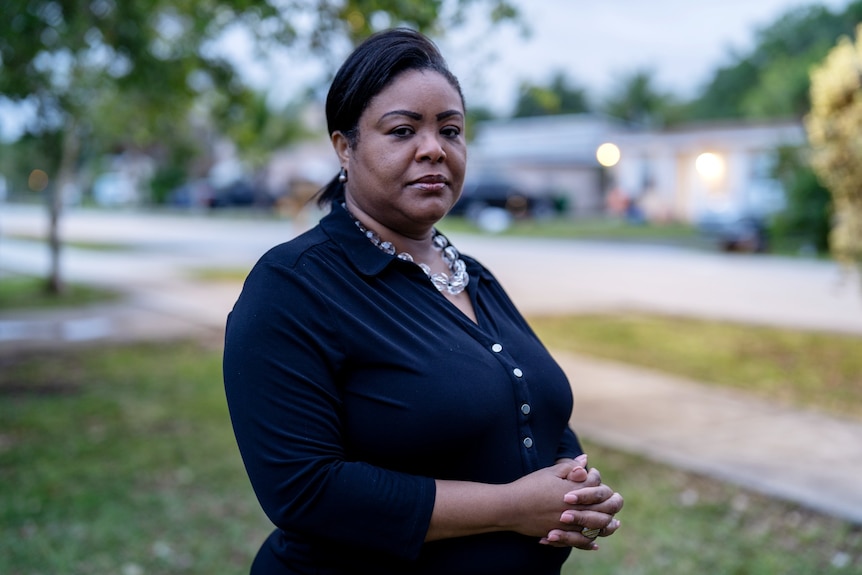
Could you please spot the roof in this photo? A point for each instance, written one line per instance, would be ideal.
(546, 139)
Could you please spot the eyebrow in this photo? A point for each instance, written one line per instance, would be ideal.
(417, 116)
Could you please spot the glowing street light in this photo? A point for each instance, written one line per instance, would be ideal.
(608, 155)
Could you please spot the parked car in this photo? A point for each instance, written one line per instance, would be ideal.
(240, 193)
(201, 193)
(734, 231)
(480, 195)
(192, 194)
(115, 189)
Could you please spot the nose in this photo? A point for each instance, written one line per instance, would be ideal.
(429, 148)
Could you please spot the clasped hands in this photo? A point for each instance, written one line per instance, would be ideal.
(575, 500)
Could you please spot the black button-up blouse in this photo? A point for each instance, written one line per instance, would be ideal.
(352, 384)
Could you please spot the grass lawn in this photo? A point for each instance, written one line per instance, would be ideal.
(121, 460)
(101, 246)
(609, 229)
(821, 370)
(27, 292)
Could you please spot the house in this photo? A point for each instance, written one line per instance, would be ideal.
(676, 173)
(685, 172)
(545, 155)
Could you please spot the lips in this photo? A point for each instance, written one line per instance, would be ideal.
(432, 179)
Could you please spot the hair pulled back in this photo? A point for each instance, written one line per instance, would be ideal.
(369, 69)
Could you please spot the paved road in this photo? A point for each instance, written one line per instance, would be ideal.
(800, 455)
(541, 275)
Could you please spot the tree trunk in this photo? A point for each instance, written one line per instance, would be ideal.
(65, 177)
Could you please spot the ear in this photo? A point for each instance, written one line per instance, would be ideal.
(342, 149)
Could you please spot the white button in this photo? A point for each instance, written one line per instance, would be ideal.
(496, 348)
(517, 372)
(525, 409)
(528, 443)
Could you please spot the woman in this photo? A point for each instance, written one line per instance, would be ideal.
(394, 411)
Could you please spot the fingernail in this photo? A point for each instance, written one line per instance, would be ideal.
(570, 498)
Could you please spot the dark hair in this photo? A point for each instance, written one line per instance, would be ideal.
(372, 66)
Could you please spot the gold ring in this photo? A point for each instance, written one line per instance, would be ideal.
(590, 533)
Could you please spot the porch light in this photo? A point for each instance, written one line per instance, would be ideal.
(710, 166)
(608, 154)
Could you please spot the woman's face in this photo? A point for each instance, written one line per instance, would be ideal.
(407, 168)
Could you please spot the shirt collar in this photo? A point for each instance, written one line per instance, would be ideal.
(368, 258)
(339, 225)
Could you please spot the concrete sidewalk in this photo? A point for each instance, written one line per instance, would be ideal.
(802, 456)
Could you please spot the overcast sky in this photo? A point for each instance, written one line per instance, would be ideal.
(597, 42)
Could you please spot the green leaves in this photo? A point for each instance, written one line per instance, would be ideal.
(771, 81)
(560, 97)
(130, 72)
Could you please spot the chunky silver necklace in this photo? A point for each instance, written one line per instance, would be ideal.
(454, 282)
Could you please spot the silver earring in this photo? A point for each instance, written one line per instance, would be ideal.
(342, 176)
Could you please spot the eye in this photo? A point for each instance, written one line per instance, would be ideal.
(402, 131)
(451, 131)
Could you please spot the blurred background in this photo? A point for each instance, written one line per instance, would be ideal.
(660, 114)
(670, 191)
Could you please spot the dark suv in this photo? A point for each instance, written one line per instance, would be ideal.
(483, 194)
(735, 232)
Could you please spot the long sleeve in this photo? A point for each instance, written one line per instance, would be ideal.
(570, 446)
(280, 367)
